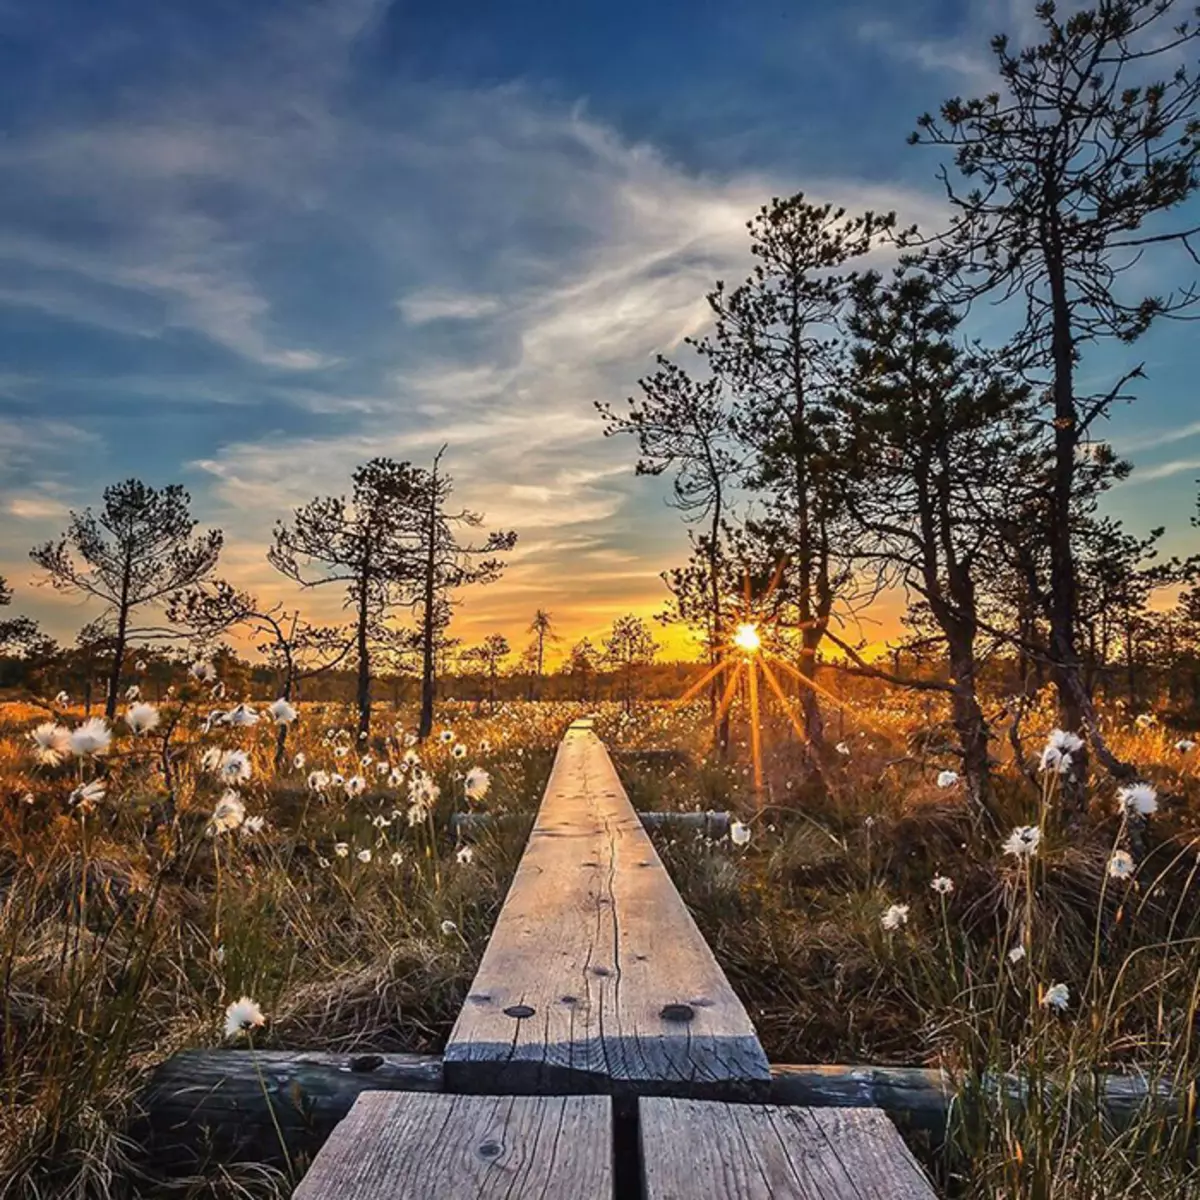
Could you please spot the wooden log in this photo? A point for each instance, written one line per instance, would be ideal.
(596, 977)
(205, 1105)
(712, 824)
(211, 1101)
(410, 1147)
(767, 1152)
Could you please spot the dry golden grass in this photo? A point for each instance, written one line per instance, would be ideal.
(125, 932)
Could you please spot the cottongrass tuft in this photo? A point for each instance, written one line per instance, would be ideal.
(243, 1016)
(92, 737)
(894, 917)
(1023, 842)
(53, 743)
(739, 834)
(281, 712)
(477, 783)
(942, 884)
(1137, 799)
(228, 814)
(947, 779)
(85, 797)
(141, 718)
(1121, 865)
(1056, 996)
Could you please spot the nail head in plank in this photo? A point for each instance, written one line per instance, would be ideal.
(408, 1146)
(593, 914)
(770, 1152)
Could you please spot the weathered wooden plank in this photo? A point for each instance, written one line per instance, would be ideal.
(713, 824)
(210, 1105)
(766, 1152)
(596, 977)
(396, 1146)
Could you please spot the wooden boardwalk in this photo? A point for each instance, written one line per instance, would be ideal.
(601, 1052)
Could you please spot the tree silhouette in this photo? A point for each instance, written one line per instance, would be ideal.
(294, 647)
(445, 563)
(936, 439)
(138, 550)
(490, 655)
(775, 348)
(542, 628)
(371, 546)
(1064, 165)
(628, 646)
(683, 426)
(17, 634)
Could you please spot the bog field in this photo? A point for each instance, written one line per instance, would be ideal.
(334, 887)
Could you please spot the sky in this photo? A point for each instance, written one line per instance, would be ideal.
(247, 244)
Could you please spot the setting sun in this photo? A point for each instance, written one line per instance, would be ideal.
(746, 638)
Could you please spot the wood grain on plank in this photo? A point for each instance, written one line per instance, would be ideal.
(768, 1152)
(406, 1146)
(596, 977)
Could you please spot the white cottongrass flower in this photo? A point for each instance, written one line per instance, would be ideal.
(210, 760)
(1121, 865)
(218, 691)
(397, 858)
(446, 736)
(218, 716)
(477, 783)
(340, 751)
(363, 856)
(203, 671)
(449, 927)
(323, 862)
(894, 917)
(85, 797)
(228, 814)
(254, 824)
(318, 781)
(341, 849)
(53, 742)
(62, 699)
(281, 712)
(843, 749)
(1138, 799)
(337, 780)
(1145, 720)
(355, 785)
(942, 884)
(1056, 996)
(459, 751)
(739, 834)
(243, 1016)
(382, 768)
(411, 758)
(141, 718)
(1023, 842)
(1060, 745)
(92, 737)
(234, 766)
(465, 855)
(299, 761)
(1185, 745)
(1016, 954)
(132, 692)
(242, 716)
(947, 779)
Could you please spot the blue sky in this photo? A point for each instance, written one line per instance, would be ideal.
(245, 246)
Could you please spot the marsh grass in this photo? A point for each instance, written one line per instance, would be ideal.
(795, 919)
(125, 931)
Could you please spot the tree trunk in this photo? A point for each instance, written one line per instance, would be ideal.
(364, 659)
(114, 677)
(425, 725)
